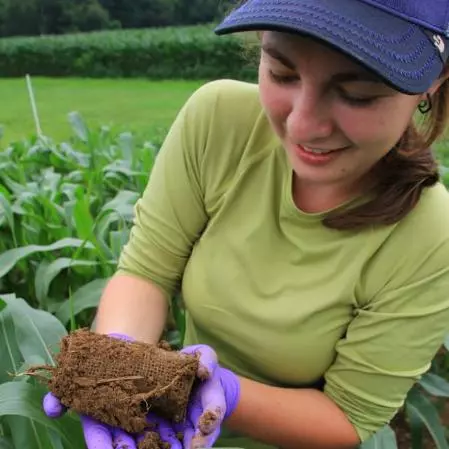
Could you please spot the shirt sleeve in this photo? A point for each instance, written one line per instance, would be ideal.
(391, 342)
(170, 216)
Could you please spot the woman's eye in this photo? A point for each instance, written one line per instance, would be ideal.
(358, 101)
(282, 79)
(350, 99)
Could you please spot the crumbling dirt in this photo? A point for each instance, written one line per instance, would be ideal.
(208, 422)
(119, 382)
(152, 440)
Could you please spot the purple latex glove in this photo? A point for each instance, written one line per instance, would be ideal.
(166, 430)
(219, 394)
(102, 436)
(96, 434)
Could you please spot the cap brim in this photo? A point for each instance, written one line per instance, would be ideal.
(398, 51)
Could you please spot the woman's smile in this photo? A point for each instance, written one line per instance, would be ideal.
(316, 156)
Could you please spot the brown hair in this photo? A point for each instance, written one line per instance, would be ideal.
(403, 173)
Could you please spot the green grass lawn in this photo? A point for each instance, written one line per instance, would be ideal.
(141, 106)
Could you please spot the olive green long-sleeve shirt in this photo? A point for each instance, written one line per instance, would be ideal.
(282, 299)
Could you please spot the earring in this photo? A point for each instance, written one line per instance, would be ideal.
(426, 105)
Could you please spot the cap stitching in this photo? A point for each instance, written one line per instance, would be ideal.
(406, 58)
(393, 40)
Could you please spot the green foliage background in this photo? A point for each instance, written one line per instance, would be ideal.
(170, 53)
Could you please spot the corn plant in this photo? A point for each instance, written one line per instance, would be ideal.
(65, 213)
(29, 336)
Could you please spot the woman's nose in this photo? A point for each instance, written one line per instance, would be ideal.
(310, 119)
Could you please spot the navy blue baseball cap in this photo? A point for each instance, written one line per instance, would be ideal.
(406, 42)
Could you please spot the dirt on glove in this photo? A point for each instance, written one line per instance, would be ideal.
(152, 440)
(119, 382)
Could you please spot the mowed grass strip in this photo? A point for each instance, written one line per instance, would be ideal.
(143, 107)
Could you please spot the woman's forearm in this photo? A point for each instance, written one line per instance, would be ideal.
(296, 419)
(132, 306)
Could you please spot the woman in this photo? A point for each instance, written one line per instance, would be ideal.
(301, 219)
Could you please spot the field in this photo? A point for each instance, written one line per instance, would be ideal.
(143, 107)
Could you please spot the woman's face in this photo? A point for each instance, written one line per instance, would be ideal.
(335, 119)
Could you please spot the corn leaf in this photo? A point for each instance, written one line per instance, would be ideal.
(122, 203)
(8, 214)
(28, 433)
(11, 357)
(421, 409)
(86, 297)
(416, 429)
(84, 222)
(117, 240)
(21, 337)
(6, 443)
(383, 439)
(121, 167)
(126, 144)
(37, 332)
(46, 272)
(9, 258)
(435, 385)
(24, 433)
(25, 400)
(79, 126)
(56, 440)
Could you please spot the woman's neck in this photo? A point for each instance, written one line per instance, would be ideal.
(315, 198)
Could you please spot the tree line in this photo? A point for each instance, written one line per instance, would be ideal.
(43, 17)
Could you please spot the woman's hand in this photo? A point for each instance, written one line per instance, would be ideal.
(213, 400)
(102, 436)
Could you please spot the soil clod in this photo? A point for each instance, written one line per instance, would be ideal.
(208, 422)
(152, 440)
(118, 382)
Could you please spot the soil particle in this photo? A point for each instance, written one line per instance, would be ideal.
(207, 425)
(152, 440)
(208, 422)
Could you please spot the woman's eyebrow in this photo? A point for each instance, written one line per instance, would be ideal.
(276, 54)
(338, 78)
